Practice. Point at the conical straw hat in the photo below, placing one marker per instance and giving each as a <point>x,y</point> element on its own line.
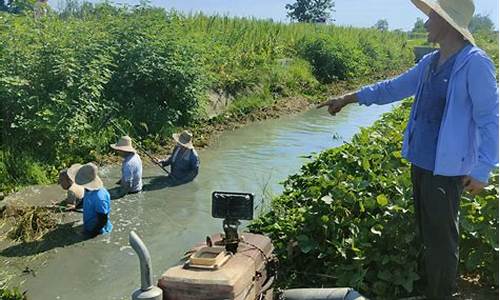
<point>184,138</point>
<point>124,144</point>
<point>85,176</point>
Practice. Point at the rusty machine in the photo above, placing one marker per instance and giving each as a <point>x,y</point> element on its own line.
<point>227,265</point>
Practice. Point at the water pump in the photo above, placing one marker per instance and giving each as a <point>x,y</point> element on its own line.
<point>227,266</point>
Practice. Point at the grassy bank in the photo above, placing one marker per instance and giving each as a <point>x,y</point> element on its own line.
<point>346,219</point>
<point>65,80</point>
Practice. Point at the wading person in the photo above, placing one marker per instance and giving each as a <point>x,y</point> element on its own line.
<point>74,191</point>
<point>131,178</point>
<point>184,161</point>
<point>451,138</point>
<point>96,200</point>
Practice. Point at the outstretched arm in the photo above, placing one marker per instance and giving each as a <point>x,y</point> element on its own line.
<point>337,103</point>
<point>395,89</point>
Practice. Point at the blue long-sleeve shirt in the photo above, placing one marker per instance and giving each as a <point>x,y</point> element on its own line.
<point>468,138</point>
<point>184,164</point>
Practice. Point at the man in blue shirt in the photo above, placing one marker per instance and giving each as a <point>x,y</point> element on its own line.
<point>96,199</point>
<point>451,138</point>
<point>131,180</point>
<point>184,162</point>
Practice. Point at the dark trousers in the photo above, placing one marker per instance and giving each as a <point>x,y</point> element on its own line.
<point>437,201</point>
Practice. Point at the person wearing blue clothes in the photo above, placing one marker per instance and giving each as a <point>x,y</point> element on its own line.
<point>96,199</point>
<point>451,139</point>
<point>131,179</point>
<point>184,161</point>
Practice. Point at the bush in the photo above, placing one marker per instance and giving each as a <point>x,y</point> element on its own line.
<point>11,294</point>
<point>17,169</point>
<point>333,59</point>
<point>479,234</point>
<point>159,79</point>
<point>289,77</point>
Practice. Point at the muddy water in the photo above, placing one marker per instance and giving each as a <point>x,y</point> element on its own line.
<point>170,219</point>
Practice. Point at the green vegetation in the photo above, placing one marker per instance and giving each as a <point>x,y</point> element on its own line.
<point>489,43</point>
<point>347,219</point>
<point>65,77</point>
<point>482,24</point>
<point>14,294</point>
<point>419,26</point>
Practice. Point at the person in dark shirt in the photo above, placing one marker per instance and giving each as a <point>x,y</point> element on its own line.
<point>184,161</point>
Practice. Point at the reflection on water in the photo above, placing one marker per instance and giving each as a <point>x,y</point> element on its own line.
<point>253,159</point>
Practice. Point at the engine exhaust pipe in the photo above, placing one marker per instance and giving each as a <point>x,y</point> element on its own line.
<point>148,291</point>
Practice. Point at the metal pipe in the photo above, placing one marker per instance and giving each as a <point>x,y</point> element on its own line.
<point>144,260</point>
<point>147,291</point>
<point>322,294</point>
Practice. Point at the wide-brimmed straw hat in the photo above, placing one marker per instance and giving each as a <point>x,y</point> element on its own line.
<point>71,174</point>
<point>86,176</point>
<point>75,188</point>
<point>124,144</point>
<point>184,138</point>
<point>458,13</point>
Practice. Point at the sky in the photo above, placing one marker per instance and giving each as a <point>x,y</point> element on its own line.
<point>400,14</point>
